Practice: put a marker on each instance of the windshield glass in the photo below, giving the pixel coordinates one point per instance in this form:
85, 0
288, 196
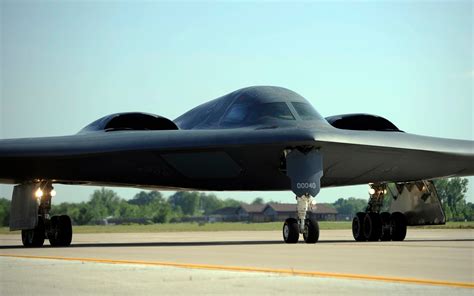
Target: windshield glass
306, 111
247, 113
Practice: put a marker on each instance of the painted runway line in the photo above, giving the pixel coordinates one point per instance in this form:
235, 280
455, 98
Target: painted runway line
262, 270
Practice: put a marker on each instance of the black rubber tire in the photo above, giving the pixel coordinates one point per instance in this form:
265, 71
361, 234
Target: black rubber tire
61, 231
372, 227
291, 232
398, 223
311, 231
386, 228
358, 227
53, 234
34, 238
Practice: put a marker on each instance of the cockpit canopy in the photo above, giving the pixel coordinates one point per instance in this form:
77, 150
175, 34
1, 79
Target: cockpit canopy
250, 107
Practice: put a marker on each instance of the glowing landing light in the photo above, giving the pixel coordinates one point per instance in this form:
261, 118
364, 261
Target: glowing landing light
39, 193
371, 191
53, 193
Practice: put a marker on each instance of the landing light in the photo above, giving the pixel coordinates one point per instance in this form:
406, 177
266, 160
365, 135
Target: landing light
371, 191
53, 193
39, 193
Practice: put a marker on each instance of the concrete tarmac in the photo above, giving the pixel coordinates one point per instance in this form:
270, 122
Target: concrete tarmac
427, 262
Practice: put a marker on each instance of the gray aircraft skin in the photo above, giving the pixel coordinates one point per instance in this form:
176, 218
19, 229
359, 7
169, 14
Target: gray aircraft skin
256, 138
235, 142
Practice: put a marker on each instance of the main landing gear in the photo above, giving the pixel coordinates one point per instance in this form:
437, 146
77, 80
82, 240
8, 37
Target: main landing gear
58, 229
304, 224
373, 225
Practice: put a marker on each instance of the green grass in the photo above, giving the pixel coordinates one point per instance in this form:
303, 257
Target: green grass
181, 227
450, 225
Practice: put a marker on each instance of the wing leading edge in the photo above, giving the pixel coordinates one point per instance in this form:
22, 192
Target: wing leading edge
239, 159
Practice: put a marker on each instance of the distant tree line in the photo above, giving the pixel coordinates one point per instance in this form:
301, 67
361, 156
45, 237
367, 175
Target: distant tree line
153, 207
452, 193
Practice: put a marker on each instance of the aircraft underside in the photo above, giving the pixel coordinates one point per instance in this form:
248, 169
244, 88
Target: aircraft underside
411, 203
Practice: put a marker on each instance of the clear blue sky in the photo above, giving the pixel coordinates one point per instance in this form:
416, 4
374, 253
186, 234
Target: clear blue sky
66, 64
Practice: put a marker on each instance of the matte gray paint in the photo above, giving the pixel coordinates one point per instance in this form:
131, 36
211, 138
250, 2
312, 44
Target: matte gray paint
139, 158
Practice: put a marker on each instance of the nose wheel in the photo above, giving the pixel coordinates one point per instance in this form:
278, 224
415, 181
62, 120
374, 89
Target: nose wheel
291, 231
311, 231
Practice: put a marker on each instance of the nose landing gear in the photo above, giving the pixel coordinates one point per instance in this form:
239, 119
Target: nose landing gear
291, 231
305, 225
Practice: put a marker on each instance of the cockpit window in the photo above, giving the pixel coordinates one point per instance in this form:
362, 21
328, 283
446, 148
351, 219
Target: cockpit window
306, 111
237, 113
245, 113
272, 110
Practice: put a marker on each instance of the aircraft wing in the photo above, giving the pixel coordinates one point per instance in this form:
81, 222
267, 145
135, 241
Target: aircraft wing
360, 157
232, 159
172, 158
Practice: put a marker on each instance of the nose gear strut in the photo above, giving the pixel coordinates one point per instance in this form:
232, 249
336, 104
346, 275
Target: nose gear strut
303, 204
305, 169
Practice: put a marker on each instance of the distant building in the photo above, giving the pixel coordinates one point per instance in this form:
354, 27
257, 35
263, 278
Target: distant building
264, 213
282, 211
227, 214
324, 212
251, 213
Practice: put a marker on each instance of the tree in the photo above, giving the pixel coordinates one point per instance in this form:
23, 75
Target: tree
127, 210
150, 205
4, 212
157, 209
350, 206
230, 202
452, 193
80, 213
469, 211
210, 203
104, 203
188, 202
258, 201
145, 198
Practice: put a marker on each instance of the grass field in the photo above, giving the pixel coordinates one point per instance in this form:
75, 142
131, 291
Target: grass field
181, 227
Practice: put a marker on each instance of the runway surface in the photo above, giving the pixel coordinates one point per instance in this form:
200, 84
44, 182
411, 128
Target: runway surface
430, 262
